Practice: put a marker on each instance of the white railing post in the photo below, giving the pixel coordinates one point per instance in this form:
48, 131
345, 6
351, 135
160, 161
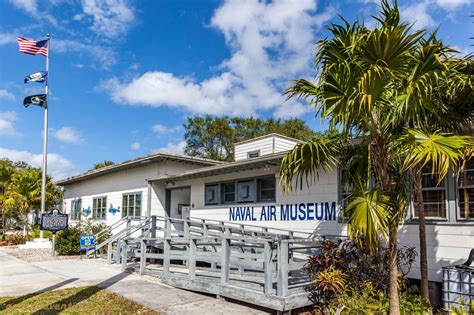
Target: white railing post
167, 227
282, 287
225, 261
142, 257
124, 254
166, 257
192, 259
109, 253
117, 251
267, 267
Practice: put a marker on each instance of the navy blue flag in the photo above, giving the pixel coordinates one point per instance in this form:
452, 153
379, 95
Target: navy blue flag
38, 100
36, 77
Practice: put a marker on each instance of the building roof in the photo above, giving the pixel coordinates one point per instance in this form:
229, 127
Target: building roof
153, 158
269, 160
269, 136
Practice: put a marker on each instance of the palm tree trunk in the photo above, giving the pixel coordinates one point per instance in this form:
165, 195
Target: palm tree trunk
393, 265
420, 208
380, 157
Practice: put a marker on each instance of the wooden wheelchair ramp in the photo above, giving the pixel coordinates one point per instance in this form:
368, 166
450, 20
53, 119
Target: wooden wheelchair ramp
257, 265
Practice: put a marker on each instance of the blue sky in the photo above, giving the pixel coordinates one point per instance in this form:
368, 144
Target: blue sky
124, 75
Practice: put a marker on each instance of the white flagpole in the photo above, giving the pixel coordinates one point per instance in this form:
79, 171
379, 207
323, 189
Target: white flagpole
45, 136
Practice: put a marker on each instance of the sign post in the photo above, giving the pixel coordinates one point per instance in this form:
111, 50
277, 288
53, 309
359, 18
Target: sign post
54, 221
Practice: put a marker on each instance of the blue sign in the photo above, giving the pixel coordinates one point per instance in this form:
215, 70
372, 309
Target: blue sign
87, 241
290, 212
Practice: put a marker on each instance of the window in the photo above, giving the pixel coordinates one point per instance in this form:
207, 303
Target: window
246, 191
76, 206
228, 192
99, 208
466, 191
212, 194
132, 205
434, 195
241, 191
266, 189
346, 190
253, 154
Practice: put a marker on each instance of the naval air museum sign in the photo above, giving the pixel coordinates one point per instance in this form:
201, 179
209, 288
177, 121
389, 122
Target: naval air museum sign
288, 212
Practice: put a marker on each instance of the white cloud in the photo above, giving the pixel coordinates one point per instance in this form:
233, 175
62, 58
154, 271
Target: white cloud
6, 95
31, 7
418, 13
270, 43
6, 124
78, 17
135, 146
450, 5
173, 148
58, 166
7, 38
159, 128
111, 18
105, 56
68, 135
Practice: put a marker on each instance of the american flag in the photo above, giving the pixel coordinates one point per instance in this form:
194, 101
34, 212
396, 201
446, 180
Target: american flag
33, 47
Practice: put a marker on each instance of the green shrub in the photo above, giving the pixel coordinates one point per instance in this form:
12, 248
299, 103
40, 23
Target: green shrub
68, 241
35, 233
368, 300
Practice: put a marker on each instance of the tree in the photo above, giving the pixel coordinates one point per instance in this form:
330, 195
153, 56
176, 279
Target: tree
22, 190
101, 165
6, 171
373, 85
442, 152
214, 137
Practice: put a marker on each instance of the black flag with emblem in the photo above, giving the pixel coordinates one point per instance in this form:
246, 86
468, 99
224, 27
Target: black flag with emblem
39, 100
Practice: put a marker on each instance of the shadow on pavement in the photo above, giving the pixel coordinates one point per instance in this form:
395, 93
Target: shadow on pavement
22, 298
84, 294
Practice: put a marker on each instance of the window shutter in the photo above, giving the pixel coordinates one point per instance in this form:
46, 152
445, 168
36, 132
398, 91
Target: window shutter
212, 194
246, 191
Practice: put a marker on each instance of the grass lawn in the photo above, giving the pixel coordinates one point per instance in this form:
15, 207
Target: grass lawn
84, 300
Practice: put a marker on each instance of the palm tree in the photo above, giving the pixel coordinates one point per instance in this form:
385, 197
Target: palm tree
23, 193
6, 171
443, 152
372, 84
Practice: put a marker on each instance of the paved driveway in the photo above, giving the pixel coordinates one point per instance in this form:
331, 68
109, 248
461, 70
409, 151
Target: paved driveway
18, 277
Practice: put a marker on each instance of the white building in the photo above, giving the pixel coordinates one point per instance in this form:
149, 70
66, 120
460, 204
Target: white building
247, 191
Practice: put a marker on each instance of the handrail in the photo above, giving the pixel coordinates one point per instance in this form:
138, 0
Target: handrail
119, 223
202, 220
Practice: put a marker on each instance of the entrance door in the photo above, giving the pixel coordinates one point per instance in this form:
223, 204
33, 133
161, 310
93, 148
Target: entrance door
177, 205
185, 211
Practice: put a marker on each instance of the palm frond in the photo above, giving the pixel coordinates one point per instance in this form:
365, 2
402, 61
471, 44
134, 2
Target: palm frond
441, 150
305, 162
370, 216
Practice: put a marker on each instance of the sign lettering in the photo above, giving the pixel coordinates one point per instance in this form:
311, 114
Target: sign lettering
288, 212
54, 221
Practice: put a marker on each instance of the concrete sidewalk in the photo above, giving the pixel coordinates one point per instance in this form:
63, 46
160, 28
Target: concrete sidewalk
18, 277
